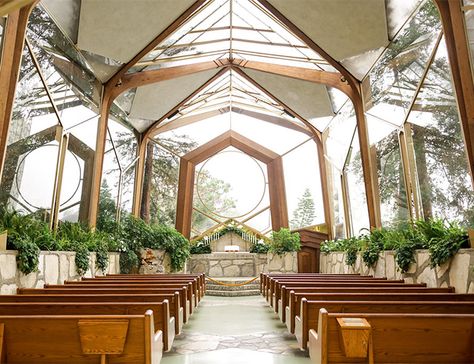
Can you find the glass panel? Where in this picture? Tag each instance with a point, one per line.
(356, 189)
(303, 186)
(392, 83)
(338, 202)
(55, 52)
(393, 196)
(230, 184)
(469, 25)
(262, 222)
(118, 170)
(32, 151)
(441, 163)
(160, 185)
(341, 132)
(200, 223)
(3, 22)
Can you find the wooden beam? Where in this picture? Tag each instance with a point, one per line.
(139, 174)
(10, 6)
(315, 131)
(99, 157)
(149, 77)
(176, 108)
(188, 120)
(332, 79)
(184, 205)
(457, 45)
(277, 193)
(323, 175)
(13, 44)
(157, 40)
(272, 120)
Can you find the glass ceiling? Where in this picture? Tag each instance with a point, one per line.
(232, 29)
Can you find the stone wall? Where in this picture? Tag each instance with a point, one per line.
(53, 268)
(458, 272)
(241, 264)
(230, 239)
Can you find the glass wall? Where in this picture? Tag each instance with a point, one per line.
(303, 186)
(443, 173)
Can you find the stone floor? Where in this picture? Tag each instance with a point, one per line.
(235, 330)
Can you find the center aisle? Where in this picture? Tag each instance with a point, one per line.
(235, 330)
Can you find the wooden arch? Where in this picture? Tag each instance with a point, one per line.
(187, 168)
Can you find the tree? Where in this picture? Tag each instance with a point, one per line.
(305, 213)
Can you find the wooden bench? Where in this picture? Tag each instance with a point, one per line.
(392, 338)
(185, 303)
(275, 288)
(161, 313)
(264, 277)
(294, 301)
(376, 284)
(175, 308)
(309, 312)
(77, 339)
(284, 301)
(196, 288)
(192, 290)
(201, 278)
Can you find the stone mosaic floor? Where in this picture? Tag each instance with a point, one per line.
(235, 330)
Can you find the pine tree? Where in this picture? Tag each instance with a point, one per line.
(305, 212)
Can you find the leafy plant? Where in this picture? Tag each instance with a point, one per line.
(353, 246)
(201, 247)
(284, 241)
(259, 247)
(444, 246)
(174, 243)
(81, 259)
(28, 255)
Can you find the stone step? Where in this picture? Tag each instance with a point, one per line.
(253, 292)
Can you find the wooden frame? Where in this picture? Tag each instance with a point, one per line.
(276, 181)
(457, 45)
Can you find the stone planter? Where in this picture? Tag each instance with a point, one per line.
(286, 263)
(154, 261)
(458, 272)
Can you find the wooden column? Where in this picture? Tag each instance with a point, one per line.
(277, 193)
(367, 168)
(99, 157)
(139, 174)
(184, 208)
(457, 45)
(326, 190)
(13, 43)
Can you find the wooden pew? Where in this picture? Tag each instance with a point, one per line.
(183, 295)
(161, 312)
(278, 285)
(175, 308)
(264, 277)
(78, 339)
(201, 277)
(192, 288)
(196, 288)
(294, 301)
(392, 338)
(283, 302)
(309, 312)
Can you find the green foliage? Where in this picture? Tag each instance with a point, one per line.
(442, 240)
(201, 247)
(82, 259)
(444, 246)
(259, 247)
(174, 243)
(284, 241)
(28, 255)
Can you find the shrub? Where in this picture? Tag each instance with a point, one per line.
(201, 247)
(444, 246)
(28, 255)
(259, 247)
(284, 241)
